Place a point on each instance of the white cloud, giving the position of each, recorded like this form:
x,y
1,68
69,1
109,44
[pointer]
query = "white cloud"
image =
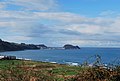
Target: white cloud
x,y
33,4
17,38
2,6
9,15
25,25
22,21
115,27
85,28
109,13
66,17
76,23
5,24
62,16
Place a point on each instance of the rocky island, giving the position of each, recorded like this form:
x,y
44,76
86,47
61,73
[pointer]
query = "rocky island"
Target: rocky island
x,y
69,46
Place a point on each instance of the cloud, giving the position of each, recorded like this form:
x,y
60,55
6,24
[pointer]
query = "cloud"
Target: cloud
x,y
27,24
109,13
72,18
2,5
62,16
69,32
76,23
85,28
56,27
33,4
5,24
18,38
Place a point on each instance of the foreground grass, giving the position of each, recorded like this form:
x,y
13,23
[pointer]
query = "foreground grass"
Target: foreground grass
x,y
21,70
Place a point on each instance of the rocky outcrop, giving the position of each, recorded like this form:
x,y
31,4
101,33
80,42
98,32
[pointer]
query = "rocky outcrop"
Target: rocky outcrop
x,y
68,46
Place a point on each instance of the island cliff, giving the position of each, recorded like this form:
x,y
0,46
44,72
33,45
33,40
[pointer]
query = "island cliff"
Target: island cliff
x,y
68,46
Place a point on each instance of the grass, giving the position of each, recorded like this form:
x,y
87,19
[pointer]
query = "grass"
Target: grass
x,y
21,70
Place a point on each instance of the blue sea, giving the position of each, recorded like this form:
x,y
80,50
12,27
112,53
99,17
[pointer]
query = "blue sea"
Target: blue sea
x,y
108,55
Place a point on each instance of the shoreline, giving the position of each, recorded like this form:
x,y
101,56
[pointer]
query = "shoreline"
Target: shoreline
x,y
9,57
5,57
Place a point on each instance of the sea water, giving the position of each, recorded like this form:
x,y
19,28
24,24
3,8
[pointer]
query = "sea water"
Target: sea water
x,y
76,56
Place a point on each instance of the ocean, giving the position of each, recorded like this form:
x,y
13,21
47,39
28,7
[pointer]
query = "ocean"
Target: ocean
x,y
77,56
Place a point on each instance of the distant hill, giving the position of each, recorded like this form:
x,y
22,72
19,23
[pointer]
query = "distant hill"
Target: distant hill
x,y
7,46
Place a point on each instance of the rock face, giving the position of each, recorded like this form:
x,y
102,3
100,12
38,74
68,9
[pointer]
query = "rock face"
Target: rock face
x,y
7,46
68,46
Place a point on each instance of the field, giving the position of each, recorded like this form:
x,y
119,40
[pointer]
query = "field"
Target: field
x,y
21,70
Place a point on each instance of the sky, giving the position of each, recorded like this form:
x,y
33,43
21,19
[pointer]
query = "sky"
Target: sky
x,y
87,23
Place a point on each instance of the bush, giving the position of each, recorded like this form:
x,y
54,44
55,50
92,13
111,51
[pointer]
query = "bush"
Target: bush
x,y
98,74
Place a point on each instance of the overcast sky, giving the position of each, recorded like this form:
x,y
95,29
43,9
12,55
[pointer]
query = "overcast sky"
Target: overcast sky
x,y
88,23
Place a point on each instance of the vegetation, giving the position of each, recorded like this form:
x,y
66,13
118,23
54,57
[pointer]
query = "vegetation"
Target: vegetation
x,y
21,70
98,74
8,46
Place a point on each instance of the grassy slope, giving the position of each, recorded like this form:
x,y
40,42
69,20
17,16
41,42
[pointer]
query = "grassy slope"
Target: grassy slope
x,y
19,70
